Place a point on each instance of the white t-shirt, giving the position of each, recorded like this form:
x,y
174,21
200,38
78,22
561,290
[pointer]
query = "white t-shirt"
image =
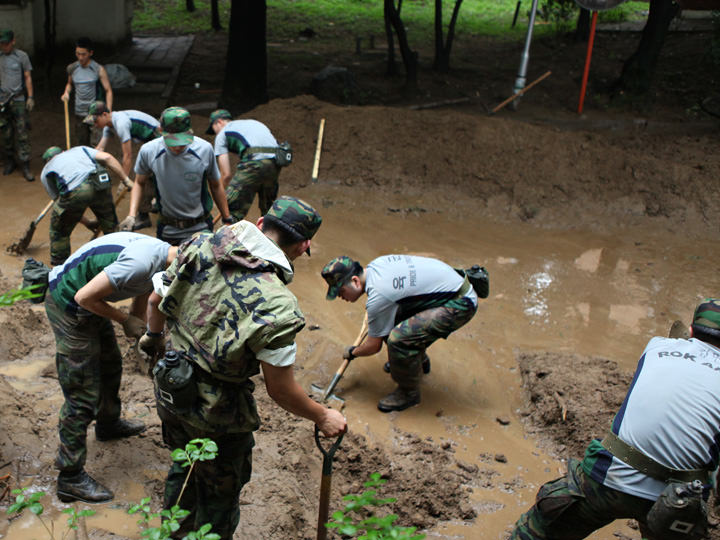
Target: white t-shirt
x,y
391,280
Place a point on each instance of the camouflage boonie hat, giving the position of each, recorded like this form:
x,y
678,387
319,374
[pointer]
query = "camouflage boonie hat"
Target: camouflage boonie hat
x,y
96,108
707,315
217,115
295,216
337,273
51,153
6,35
175,126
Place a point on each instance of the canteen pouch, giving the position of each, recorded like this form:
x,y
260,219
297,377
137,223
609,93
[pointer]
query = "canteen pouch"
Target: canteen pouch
x,y
100,179
283,154
35,274
175,386
680,512
479,279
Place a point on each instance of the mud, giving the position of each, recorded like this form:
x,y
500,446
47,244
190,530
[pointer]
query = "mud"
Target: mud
x,y
597,231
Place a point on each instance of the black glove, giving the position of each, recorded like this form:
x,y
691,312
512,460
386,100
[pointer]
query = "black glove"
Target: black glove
x,y
228,220
348,354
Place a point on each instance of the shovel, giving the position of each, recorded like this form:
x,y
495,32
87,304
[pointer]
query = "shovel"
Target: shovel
x,y
21,245
325,482
327,393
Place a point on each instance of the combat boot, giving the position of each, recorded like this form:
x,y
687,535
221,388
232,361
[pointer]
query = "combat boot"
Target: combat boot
x,y
120,429
141,221
399,400
425,365
10,166
80,486
27,173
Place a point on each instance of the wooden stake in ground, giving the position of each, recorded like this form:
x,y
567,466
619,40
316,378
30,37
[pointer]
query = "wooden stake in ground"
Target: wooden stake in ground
x,y
67,126
316,164
521,92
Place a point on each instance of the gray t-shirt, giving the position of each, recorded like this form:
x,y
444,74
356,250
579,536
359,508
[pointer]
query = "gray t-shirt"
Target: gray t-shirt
x,y
132,125
182,181
84,80
238,135
68,170
12,72
393,280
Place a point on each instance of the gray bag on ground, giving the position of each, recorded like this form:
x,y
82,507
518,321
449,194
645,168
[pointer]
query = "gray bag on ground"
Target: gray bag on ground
x,y
119,76
35,274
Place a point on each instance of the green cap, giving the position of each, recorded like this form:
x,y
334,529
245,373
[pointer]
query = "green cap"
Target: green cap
x,y
337,273
96,108
51,153
295,216
6,35
175,126
707,315
217,115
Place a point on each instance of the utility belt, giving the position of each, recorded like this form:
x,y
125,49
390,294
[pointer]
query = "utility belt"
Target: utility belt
x,y
282,153
182,223
463,290
680,512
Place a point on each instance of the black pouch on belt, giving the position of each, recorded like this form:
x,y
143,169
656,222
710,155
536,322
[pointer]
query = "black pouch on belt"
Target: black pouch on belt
x,y
175,386
479,279
35,274
680,512
100,179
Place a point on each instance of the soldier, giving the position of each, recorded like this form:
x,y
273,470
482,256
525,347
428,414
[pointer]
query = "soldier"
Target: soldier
x,y
89,365
257,171
183,170
130,127
664,435
230,314
412,301
75,180
87,77
15,73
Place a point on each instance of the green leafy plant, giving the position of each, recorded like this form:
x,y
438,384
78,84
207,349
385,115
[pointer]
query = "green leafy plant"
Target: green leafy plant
x,y
23,501
359,520
74,518
11,297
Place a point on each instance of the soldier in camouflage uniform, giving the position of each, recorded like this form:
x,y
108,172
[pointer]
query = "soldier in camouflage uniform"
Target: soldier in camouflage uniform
x,y
76,180
230,313
412,301
257,171
15,80
129,127
668,426
111,268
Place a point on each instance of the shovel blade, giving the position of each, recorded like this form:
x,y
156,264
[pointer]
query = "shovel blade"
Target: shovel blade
x,y
319,392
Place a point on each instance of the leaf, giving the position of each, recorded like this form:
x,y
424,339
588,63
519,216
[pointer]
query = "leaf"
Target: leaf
x,y
36,508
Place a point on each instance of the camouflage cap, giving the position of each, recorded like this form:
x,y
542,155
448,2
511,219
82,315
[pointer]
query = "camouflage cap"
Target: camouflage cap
x,y
175,126
217,115
96,108
295,216
707,315
51,153
337,273
6,35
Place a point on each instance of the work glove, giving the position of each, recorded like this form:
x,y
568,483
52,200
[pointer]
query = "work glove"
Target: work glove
x,y
127,224
348,354
151,346
134,327
30,104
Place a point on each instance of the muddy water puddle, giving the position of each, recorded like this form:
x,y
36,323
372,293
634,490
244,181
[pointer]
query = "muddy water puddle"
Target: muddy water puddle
x,y
591,293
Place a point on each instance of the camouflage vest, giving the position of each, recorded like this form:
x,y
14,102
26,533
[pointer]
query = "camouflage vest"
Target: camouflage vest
x,y
223,306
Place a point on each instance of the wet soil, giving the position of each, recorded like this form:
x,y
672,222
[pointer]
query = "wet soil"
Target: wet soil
x,y
598,232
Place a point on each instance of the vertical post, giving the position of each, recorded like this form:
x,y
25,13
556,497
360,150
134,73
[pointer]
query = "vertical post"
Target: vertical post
x,y
522,71
588,56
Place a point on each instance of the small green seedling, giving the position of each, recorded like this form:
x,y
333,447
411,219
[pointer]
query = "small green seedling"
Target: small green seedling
x,y
352,520
74,518
11,297
31,503
206,451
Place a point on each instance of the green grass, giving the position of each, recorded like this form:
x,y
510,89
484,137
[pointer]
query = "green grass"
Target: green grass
x,y
360,17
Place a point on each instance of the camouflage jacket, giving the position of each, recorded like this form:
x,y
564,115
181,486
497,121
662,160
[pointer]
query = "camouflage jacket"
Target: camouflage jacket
x,y
226,300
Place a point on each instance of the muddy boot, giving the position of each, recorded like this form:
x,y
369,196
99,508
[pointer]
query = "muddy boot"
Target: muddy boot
x,y
80,486
9,166
142,221
119,430
399,400
27,173
425,365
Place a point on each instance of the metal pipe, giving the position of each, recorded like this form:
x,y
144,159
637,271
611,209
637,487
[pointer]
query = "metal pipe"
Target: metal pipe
x,y
522,72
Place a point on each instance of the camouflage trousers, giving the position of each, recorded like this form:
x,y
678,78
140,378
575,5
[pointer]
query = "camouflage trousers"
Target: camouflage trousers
x,y
213,490
89,367
69,209
257,176
574,506
409,339
15,130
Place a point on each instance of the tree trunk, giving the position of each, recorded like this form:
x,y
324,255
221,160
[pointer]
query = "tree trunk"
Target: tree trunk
x,y
582,29
391,65
246,66
410,57
215,15
443,49
190,5
639,69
